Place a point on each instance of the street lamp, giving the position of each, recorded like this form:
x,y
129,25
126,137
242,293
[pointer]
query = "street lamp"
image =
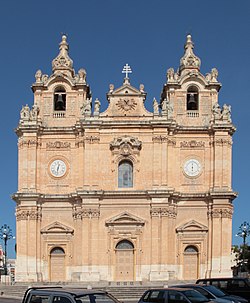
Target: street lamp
x,y
244,232
5,235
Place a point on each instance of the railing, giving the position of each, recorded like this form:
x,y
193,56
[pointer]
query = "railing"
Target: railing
x,y
192,114
59,114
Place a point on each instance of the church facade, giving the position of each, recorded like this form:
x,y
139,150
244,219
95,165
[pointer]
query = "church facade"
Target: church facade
x,y
126,194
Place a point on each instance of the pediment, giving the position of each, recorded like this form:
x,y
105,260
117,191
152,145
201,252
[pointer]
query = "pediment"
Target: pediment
x,y
126,89
57,227
192,226
125,218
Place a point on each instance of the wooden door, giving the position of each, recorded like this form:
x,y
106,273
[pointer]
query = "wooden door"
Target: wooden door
x,y
57,265
124,265
190,263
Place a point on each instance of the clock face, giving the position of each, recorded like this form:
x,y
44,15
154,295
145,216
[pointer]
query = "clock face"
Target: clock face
x,y
126,104
192,167
58,168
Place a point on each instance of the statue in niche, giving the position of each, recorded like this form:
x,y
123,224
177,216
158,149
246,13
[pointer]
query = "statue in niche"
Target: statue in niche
x,y
34,112
226,113
155,107
25,112
86,107
97,107
216,111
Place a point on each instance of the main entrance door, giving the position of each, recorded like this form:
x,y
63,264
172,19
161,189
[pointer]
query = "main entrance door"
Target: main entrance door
x,y
124,261
57,266
190,263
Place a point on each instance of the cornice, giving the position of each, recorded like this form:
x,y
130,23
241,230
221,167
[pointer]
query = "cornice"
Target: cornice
x,y
121,194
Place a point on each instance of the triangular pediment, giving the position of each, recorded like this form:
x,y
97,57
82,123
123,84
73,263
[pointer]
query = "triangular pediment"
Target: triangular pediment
x,y
127,89
57,227
125,218
192,226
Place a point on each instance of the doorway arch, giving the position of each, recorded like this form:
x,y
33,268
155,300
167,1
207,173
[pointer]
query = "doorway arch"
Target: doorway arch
x,y
190,263
124,269
57,264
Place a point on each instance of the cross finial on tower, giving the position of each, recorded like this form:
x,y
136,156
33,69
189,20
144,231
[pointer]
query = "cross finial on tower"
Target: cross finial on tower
x,y
126,70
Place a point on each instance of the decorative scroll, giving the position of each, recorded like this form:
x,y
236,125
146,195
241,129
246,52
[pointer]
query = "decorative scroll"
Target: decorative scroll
x,y
92,139
163,212
221,213
86,213
29,143
28,214
57,145
161,139
192,144
222,141
126,145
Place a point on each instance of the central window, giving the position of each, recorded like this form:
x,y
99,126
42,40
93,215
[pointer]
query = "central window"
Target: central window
x,y
125,174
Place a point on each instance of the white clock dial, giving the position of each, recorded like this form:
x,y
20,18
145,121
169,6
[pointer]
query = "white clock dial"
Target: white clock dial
x,y
192,167
58,168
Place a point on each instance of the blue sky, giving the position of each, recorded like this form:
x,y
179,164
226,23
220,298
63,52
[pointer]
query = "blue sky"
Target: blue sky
x,y
103,36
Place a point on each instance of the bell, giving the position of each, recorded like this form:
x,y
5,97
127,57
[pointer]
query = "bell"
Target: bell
x,y
191,104
60,102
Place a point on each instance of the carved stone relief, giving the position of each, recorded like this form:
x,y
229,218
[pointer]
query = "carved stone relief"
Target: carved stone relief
x,y
162,139
58,145
126,146
221,213
192,144
86,213
28,214
126,104
163,212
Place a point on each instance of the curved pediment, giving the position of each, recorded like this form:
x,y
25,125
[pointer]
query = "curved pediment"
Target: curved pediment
x,y
57,227
125,218
192,226
126,102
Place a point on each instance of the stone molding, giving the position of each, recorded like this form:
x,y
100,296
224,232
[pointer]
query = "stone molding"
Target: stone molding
x,y
163,212
86,213
220,213
92,139
29,143
28,215
58,145
192,144
57,227
162,139
222,142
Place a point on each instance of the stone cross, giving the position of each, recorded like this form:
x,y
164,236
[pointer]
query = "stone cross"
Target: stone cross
x,y
126,70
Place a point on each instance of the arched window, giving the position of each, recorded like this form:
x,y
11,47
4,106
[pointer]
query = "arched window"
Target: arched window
x,y
57,251
191,249
192,98
125,174
124,244
60,99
